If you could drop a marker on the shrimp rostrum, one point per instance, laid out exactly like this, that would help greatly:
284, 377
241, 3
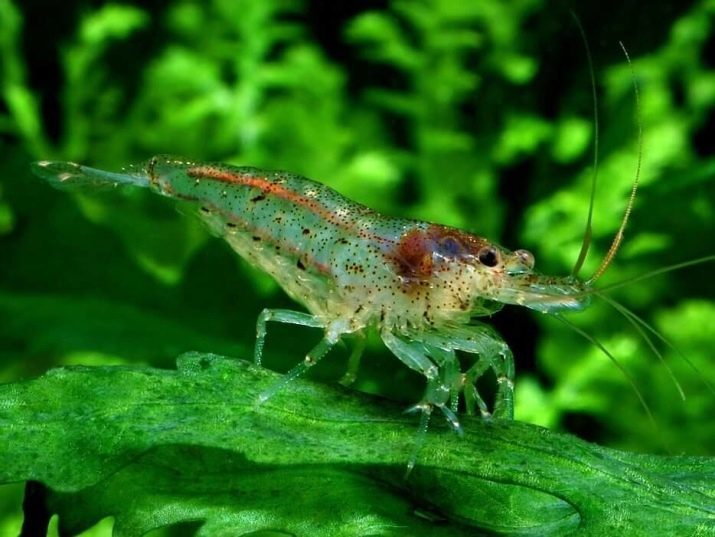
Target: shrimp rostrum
422, 286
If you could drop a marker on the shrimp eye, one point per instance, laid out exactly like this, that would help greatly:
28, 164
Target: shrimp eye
488, 256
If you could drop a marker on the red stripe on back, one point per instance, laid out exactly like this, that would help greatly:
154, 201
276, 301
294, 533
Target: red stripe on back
280, 191
266, 186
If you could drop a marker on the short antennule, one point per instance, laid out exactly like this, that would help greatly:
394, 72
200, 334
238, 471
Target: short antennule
618, 238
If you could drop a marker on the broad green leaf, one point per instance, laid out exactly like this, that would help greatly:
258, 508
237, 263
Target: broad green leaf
153, 448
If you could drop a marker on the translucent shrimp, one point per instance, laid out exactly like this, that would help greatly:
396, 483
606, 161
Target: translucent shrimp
421, 285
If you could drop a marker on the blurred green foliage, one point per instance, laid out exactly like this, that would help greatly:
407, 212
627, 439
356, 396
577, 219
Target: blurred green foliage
474, 114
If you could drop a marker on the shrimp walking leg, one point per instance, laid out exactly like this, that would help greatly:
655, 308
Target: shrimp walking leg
437, 393
280, 316
354, 360
450, 371
312, 358
471, 395
497, 356
491, 353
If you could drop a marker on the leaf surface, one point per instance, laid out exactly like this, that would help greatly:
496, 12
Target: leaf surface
155, 448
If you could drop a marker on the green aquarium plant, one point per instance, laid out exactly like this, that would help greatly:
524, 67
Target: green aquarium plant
477, 115
161, 448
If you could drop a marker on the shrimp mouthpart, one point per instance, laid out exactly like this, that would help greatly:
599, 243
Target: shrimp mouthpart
546, 294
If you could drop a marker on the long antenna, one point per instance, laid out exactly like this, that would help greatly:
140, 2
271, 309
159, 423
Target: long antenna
588, 231
634, 189
614, 360
663, 270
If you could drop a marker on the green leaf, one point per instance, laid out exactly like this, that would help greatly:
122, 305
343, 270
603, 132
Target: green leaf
154, 448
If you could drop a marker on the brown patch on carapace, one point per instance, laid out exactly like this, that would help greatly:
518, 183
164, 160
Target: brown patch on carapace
414, 255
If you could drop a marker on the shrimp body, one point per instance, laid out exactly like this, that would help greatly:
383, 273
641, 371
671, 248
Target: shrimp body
421, 285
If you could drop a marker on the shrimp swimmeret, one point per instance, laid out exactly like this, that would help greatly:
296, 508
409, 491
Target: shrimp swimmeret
420, 285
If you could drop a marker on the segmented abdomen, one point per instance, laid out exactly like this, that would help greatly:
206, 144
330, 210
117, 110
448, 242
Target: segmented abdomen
314, 241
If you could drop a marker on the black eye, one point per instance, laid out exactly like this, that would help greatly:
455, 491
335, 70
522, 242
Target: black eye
488, 256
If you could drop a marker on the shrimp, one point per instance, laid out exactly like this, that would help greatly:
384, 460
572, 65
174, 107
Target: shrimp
420, 285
